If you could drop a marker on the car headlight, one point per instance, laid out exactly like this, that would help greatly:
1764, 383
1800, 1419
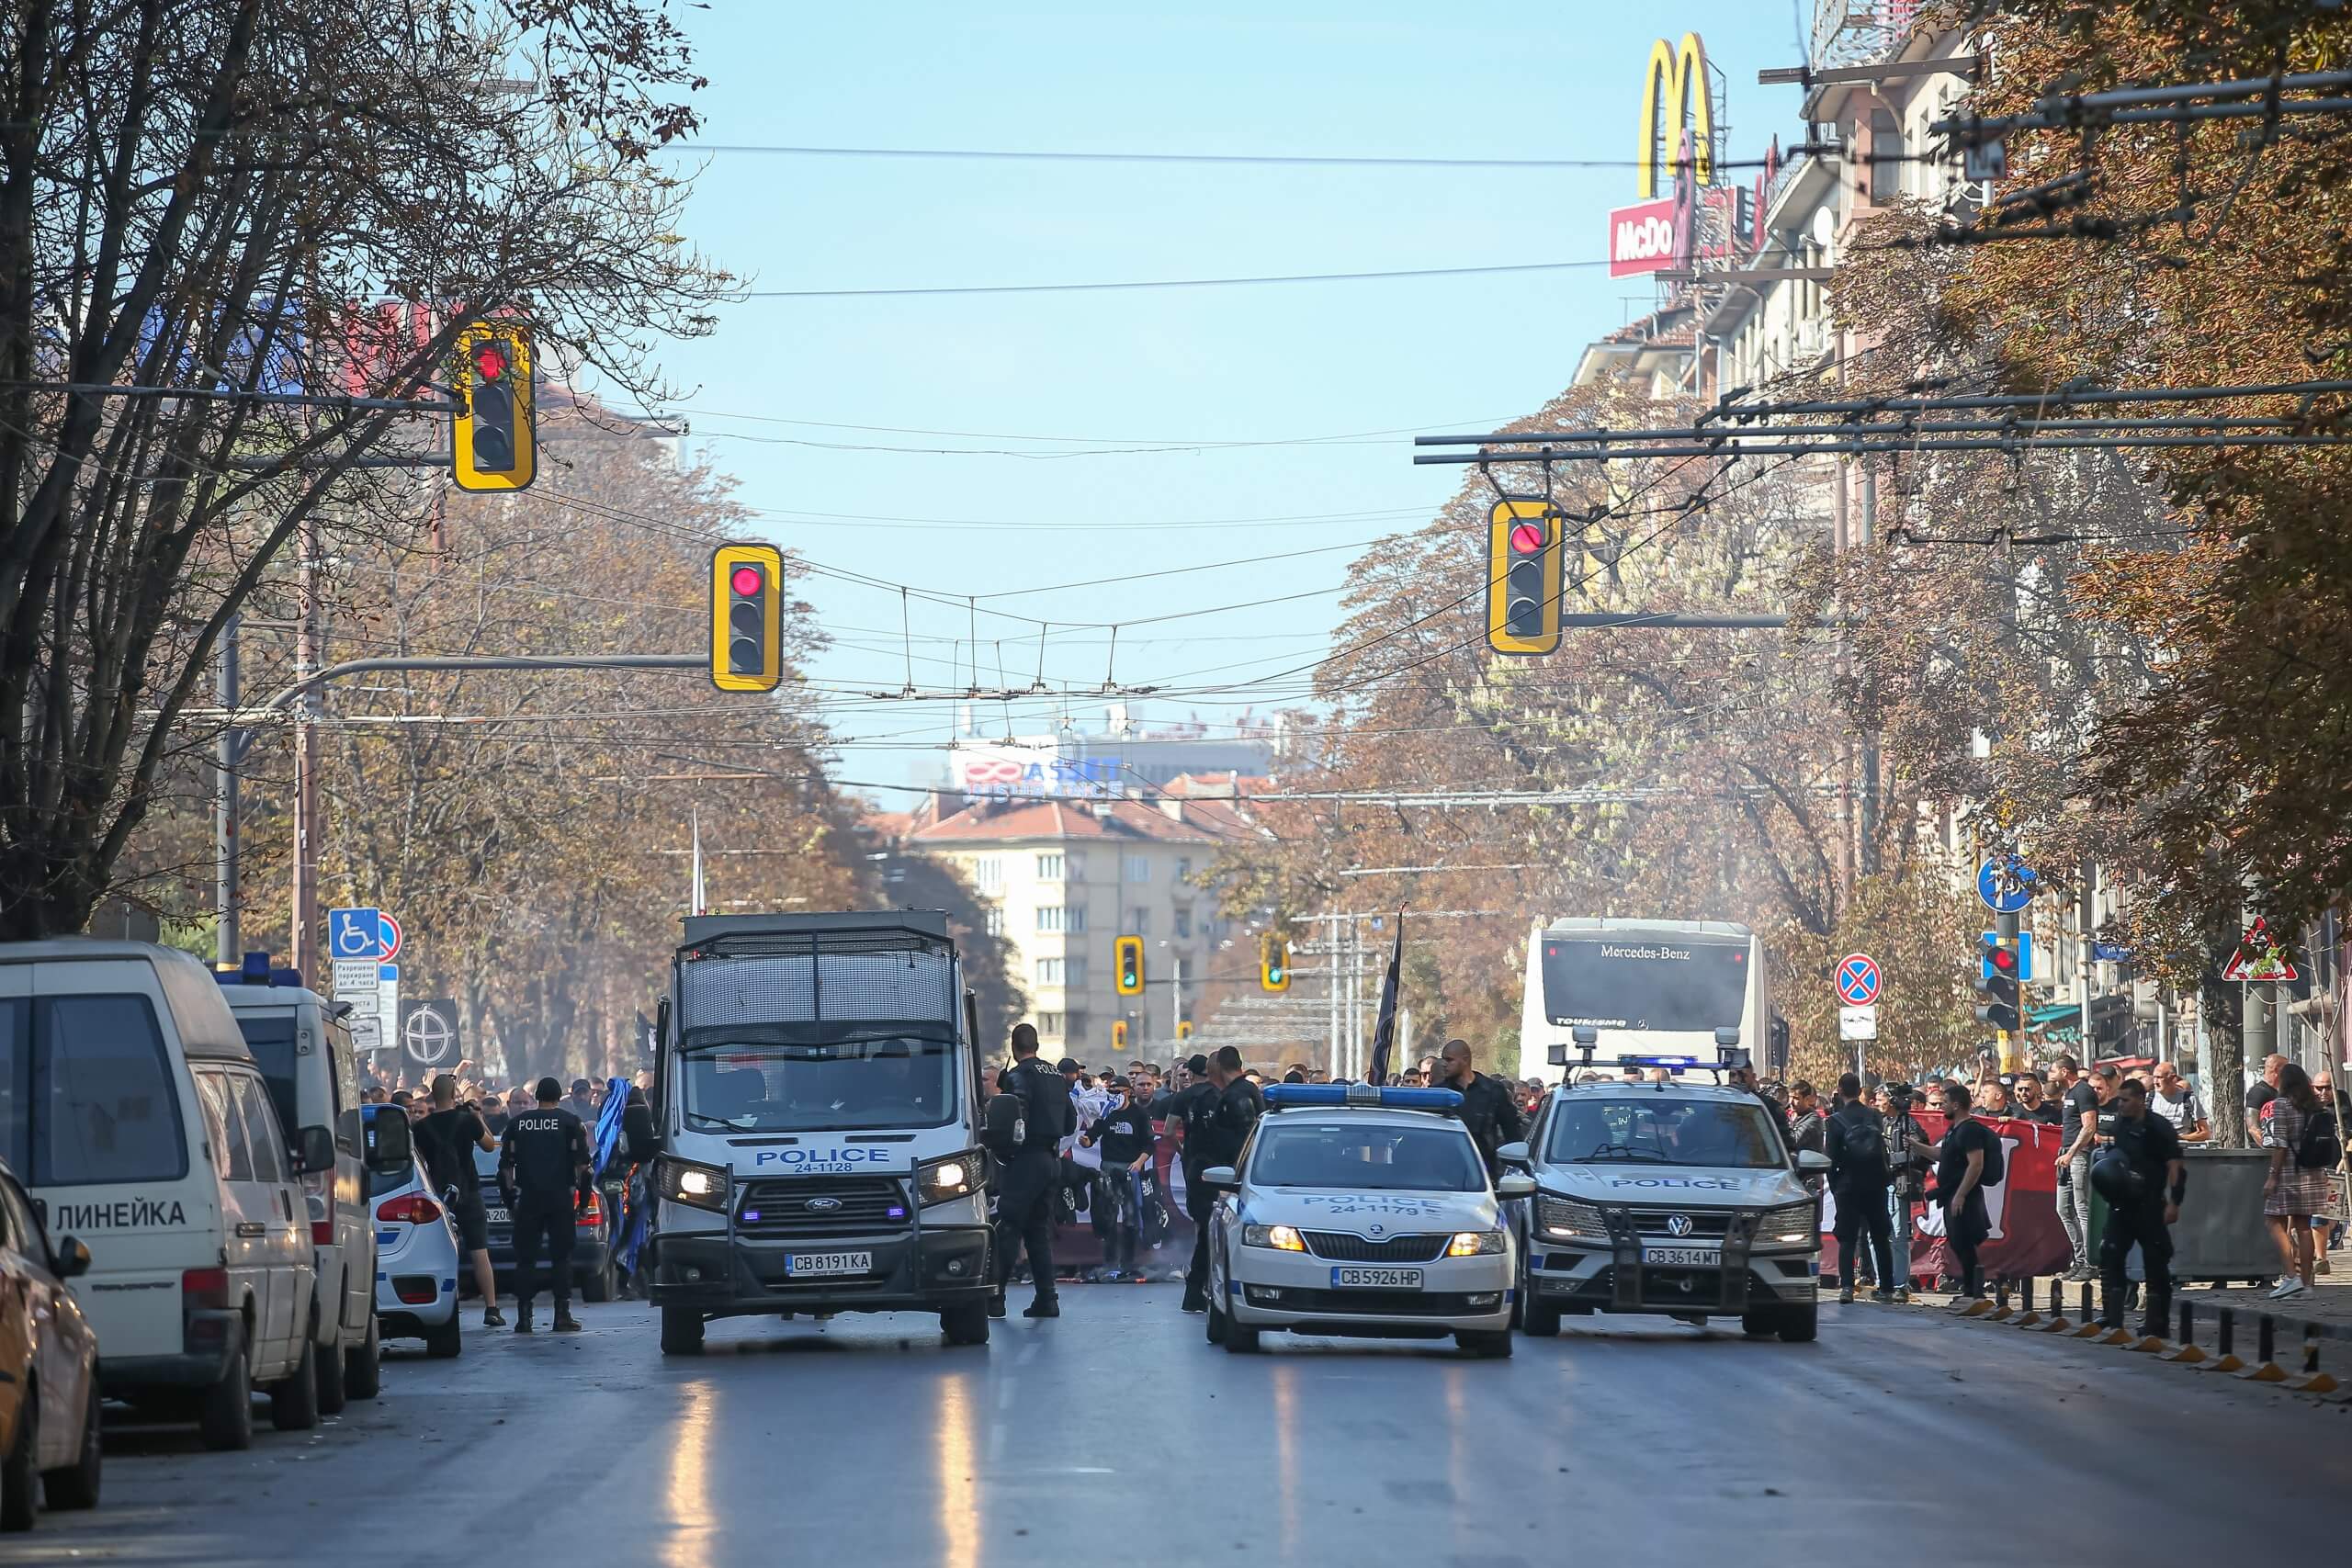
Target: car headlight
1474, 1244
1790, 1225
1282, 1239
694, 1185
1566, 1219
957, 1176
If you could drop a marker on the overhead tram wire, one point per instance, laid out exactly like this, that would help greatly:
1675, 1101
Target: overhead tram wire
1122, 285
1306, 159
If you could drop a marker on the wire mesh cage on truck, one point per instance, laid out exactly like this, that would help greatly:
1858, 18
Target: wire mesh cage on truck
791, 978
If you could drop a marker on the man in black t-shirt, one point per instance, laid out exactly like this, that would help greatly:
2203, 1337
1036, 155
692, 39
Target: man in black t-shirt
2142, 1207
1960, 1159
2260, 1094
2077, 1124
445, 1140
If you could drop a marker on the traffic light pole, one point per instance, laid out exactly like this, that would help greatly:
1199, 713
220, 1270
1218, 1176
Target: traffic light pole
2005, 931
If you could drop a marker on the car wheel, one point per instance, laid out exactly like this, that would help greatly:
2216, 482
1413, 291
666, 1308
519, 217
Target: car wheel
227, 1419
1218, 1324
1801, 1324
1488, 1344
965, 1324
334, 1389
599, 1286
364, 1368
76, 1485
1536, 1315
294, 1403
681, 1331
1759, 1322
1240, 1338
445, 1342
20, 1482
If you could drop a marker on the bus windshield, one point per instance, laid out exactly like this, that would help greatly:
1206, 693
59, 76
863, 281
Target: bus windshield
842, 1086
1641, 983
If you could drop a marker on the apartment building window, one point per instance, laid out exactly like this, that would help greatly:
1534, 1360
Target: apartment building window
1138, 868
1051, 1024
995, 921
987, 872
1076, 968
1184, 867
1138, 922
1049, 970
1183, 919
1061, 917
1049, 866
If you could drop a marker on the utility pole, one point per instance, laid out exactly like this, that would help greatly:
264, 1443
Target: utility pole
1176, 996
307, 660
1331, 990
226, 944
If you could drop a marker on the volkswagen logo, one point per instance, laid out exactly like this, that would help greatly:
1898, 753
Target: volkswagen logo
827, 1205
1676, 1225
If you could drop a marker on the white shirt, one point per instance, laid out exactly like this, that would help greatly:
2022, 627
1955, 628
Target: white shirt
2183, 1113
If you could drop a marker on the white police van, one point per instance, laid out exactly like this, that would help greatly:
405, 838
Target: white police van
1675, 1197
1361, 1211
818, 1087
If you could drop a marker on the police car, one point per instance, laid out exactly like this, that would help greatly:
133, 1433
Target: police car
1679, 1198
1359, 1210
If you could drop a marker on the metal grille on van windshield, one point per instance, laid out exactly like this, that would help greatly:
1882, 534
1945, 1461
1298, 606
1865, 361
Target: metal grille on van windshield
748, 988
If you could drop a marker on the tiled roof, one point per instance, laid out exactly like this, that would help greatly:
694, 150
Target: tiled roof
1134, 821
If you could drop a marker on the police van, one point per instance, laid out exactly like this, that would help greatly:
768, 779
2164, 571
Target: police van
820, 1121
141, 1125
1667, 1195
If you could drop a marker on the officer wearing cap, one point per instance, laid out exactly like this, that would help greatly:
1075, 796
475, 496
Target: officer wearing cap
1216, 1127
543, 1164
1196, 1111
1026, 1193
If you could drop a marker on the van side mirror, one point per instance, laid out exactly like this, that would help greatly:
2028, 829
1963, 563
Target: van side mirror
70, 1260
314, 1151
390, 1148
1812, 1161
1512, 1155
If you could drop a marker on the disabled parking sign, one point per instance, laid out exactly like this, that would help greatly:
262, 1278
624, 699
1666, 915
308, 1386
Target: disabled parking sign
355, 933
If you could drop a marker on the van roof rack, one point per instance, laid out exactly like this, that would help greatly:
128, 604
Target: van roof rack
1730, 1055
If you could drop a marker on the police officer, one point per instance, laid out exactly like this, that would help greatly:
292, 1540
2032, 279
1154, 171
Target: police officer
1490, 1111
1026, 1191
1195, 1108
543, 1164
1216, 1127
2144, 1177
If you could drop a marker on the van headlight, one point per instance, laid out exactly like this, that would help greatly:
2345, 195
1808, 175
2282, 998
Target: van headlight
957, 1176
1566, 1219
1474, 1244
1791, 1224
695, 1185
1282, 1239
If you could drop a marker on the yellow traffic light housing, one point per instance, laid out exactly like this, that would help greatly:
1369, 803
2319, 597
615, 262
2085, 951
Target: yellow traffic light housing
1183, 1029
746, 617
1273, 962
1127, 958
1118, 1034
1524, 570
497, 445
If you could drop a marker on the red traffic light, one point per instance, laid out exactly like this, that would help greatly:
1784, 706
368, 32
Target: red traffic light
748, 580
490, 361
2004, 959
1526, 538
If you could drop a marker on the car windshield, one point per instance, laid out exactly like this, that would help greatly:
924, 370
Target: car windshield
1366, 1157
842, 1086
86, 1094
1653, 1129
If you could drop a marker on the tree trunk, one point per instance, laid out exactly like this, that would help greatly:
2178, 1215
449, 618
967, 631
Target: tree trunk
2220, 1000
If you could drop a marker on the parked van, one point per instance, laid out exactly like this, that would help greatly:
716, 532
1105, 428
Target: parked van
303, 1049
134, 1112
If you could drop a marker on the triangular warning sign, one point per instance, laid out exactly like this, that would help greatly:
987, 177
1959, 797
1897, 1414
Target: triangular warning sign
2260, 956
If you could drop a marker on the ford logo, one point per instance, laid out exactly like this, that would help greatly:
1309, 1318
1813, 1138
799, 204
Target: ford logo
1676, 1225
827, 1205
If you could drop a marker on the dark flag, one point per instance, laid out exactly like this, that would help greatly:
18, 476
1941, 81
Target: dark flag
1383, 1033
646, 1043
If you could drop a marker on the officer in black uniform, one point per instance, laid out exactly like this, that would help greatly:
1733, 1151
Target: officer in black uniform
1026, 1191
1195, 1109
2142, 1176
543, 1165
1214, 1130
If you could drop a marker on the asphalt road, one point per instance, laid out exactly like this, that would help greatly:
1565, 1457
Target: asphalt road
1116, 1434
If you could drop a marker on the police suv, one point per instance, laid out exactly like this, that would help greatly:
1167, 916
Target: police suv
1673, 1197
1360, 1211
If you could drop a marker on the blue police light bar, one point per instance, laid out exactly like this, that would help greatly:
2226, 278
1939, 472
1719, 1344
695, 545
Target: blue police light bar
255, 971
1671, 1063
1362, 1096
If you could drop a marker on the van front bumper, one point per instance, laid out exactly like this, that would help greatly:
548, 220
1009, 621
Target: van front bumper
919, 1271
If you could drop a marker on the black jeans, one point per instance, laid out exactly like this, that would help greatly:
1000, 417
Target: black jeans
1966, 1231
543, 1219
1118, 1216
1862, 1211
1024, 1217
1200, 1202
2141, 1225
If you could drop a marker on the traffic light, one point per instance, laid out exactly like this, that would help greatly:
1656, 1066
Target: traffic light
1273, 962
1524, 556
1118, 1034
1183, 1029
1996, 981
1128, 960
496, 446
746, 652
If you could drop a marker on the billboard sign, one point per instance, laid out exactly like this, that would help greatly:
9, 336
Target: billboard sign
1016, 771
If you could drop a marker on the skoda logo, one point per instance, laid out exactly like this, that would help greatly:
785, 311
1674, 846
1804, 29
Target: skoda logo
1377, 1230
827, 1205
1676, 1225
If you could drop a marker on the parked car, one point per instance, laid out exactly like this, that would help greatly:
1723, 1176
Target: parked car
592, 1264
48, 1368
154, 1134
416, 1253
303, 1049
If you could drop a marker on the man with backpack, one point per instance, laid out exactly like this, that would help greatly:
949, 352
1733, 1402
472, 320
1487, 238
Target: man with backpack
1905, 1140
1855, 1143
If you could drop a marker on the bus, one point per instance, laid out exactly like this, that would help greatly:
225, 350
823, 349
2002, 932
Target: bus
1650, 988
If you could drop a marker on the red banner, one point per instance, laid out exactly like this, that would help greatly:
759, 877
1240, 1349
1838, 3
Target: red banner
2028, 1239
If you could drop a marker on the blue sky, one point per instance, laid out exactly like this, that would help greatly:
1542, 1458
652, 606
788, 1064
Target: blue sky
1152, 368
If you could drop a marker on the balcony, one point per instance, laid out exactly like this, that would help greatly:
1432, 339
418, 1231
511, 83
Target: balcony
1860, 32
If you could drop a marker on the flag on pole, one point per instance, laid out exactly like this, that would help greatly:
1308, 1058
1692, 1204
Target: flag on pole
1383, 1033
695, 899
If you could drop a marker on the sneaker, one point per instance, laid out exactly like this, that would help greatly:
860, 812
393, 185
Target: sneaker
2323, 1267
1846, 1295
566, 1324
492, 1318
996, 1306
1883, 1296
1903, 1297
1044, 1306
2288, 1288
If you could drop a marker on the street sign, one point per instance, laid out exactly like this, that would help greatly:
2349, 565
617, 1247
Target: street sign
355, 933
2006, 883
1858, 980
2260, 957
1858, 1022
387, 1000
388, 937
367, 1033
355, 979
429, 1030
2025, 955
2110, 952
